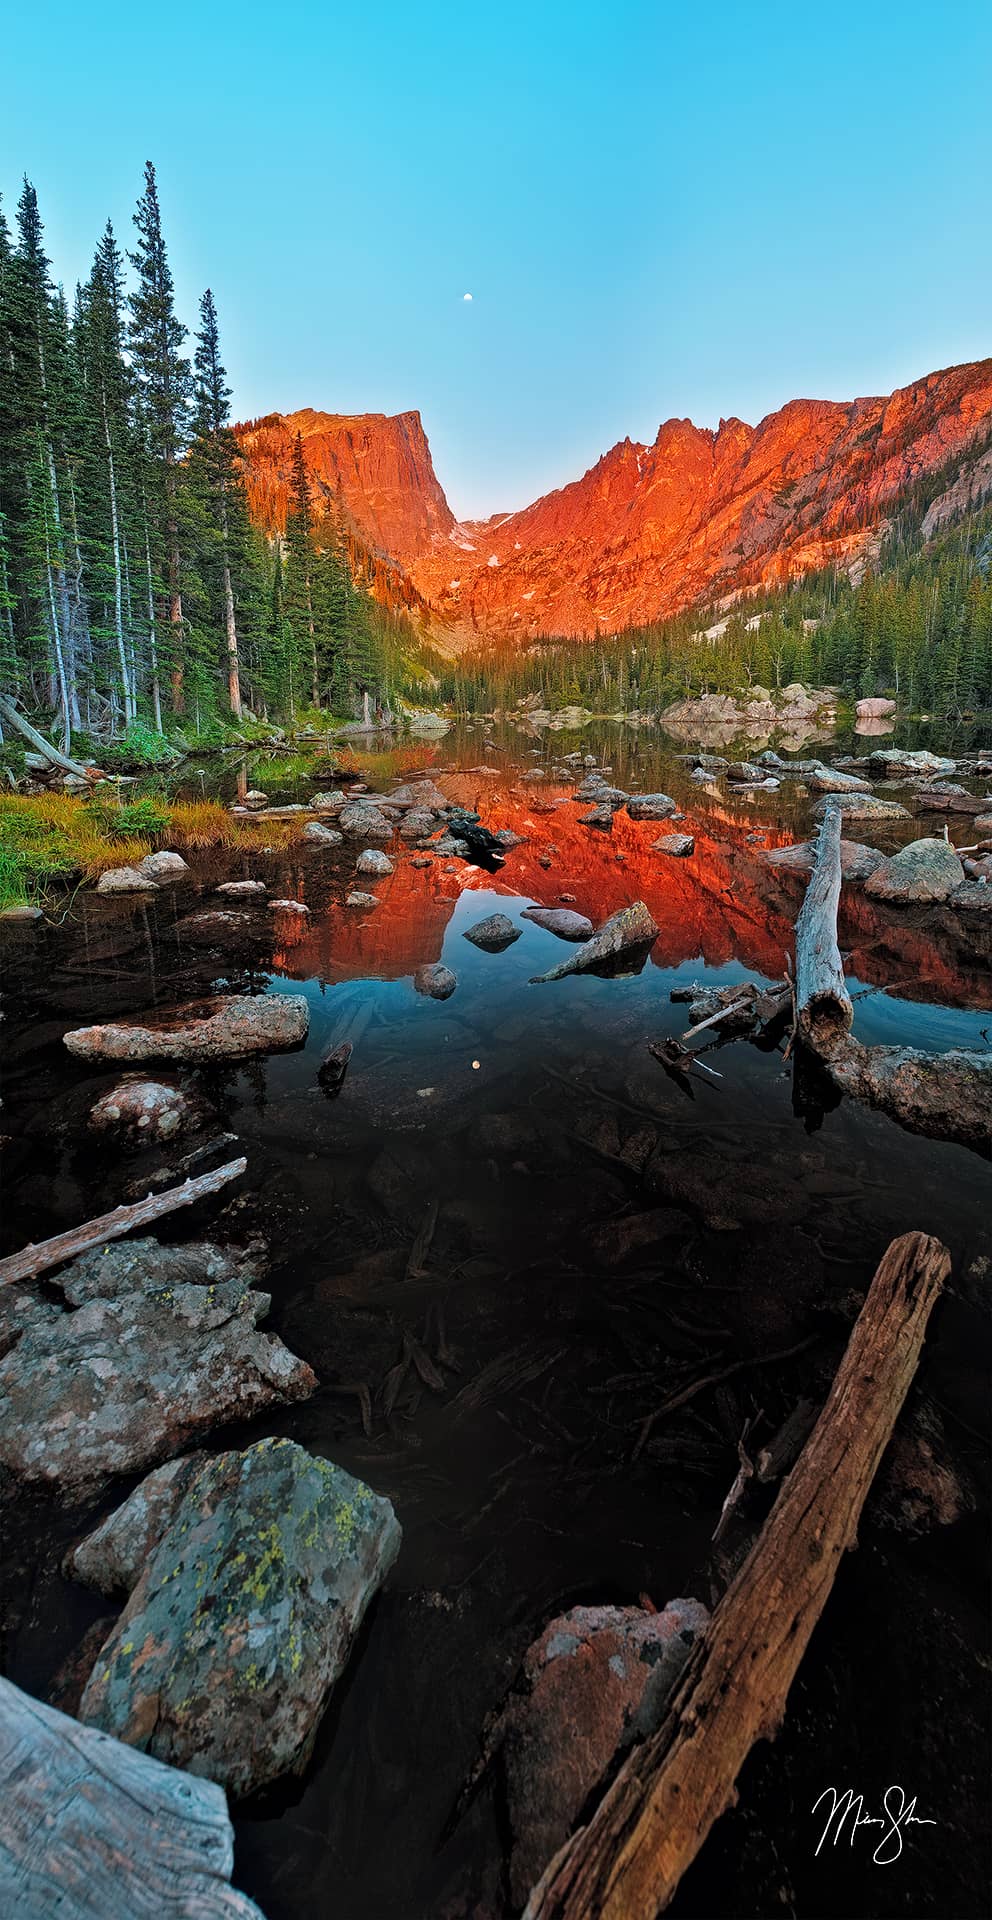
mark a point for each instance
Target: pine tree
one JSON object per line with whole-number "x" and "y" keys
{"x": 165, "y": 385}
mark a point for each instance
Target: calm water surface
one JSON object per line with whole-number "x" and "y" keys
{"x": 533, "y": 1118}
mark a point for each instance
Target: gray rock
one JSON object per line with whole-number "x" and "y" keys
{"x": 244, "y": 1616}
{"x": 875, "y": 709}
{"x": 361, "y": 820}
{"x": 242, "y": 889}
{"x": 214, "y": 924}
{"x": 296, "y": 907}
{"x": 125, "y": 880}
{"x": 974, "y": 897}
{"x": 147, "y": 1110}
{"x": 436, "y": 982}
{"x": 493, "y": 934}
{"x": 831, "y": 780}
{"x": 678, "y": 844}
{"x": 507, "y": 838}
{"x": 860, "y": 806}
{"x": 146, "y": 1266}
{"x": 925, "y": 870}
{"x": 420, "y": 796}
{"x": 856, "y": 861}
{"x": 359, "y": 899}
{"x": 120, "y": 1384}
{"x": 561, "y": 921}
{"x": 651, "y": 806}
{"x": 598, "y": 817}
{"x": 418, "y": 824}
{"x": 744, "y": 773}
{"x": 328, "y": 802}
{"x": 888, "y": 763}
{"x": 374, "y": 862}
{"x": 322, "y": 836}
{"x": 163, "y": 866}
{"x": 227, "y": 1029}
{"x": 627, "y": 934}
{"x": 254, "y": 799}
{"x": 112, "y": 1558}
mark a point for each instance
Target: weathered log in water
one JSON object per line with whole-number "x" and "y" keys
{"x": 93, "y": 1830}
{"x": 35, "y": 1259}
{"x": 649, "y": 1827}
{"x": 823, "y": 1004}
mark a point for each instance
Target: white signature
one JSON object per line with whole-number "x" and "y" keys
{"x": 897, "y": 1812}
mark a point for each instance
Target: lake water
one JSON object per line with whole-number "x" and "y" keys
{"x": 603, "y": 1235}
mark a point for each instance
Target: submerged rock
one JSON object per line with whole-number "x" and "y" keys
{"x": 244, "y": 1615}
{"x": 436, "y": 982}
{"x": 494, "y": 934}
{"x": 122, "y": 1383}
{"x": 228, "y": 1029}
{"x": 561, "y": 921}
{"x": 147, "y": 1110}
{"x": 596, "y": 1680}
{"x": 125, "y": 880}
{"x": 626, "y": 935}
{"x": 925, "y": 870}
{"x": 374, "y": 862}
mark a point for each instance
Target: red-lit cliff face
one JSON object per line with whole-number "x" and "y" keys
{"x": 649, "y": 529}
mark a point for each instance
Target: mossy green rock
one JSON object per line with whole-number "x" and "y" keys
{"x": 244, "y": 1616}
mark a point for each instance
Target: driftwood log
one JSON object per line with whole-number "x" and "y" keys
{"x": 94, "y": 1830}
{"x": 37, "y": 740}
{"x": 823, "y": 1004}
{"x": 35, "y": 1259}
{"x": 649, "y": 1827}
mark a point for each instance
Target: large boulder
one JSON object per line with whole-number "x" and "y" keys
{"x": 493, "y": 934}
{"x": 875, "y": 709}
{"x": 925, "y": 870}
{"x": 142, "y": 1266}
{"x": 126, "y": 880}
{"x": 361, "y": 819}
{"x": 122, "y": 1383}
{"x": 891, "y": 763}
{"x": 223, "y": 1029}
{"x": 244, "y": 1615}
{"x": 562, "y": 921}
{"x": 621, "y": 945}
{"x": 147, "y": 1110}
{"x": 595, "y": 1680}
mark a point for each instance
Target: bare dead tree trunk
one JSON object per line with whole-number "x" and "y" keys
{"x": 649, "y": 1827}
{"x": 823, "y": 1004}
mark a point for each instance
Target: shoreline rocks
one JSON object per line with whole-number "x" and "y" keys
{"x": 625, "y": 938}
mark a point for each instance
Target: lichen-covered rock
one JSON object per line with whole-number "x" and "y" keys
{"x": 435, "y": 982}
{"x": 331, "y": 802}
{"x": 494, "y": 934}
{"x": 596, "y": 1680}
{"x": 373, "y": 861}
{"x": 244, "y": 1616}
{"x": 147, "y": 1110}
{"x": 561, "y": 921}
{"x": 120, "y": 1384}
{"x": 126, "y": 880}
{"x": 925, "y": 870}
{"x": 860, "y": 806}
{"x": 222, "y": 1029}
{"x": 164, "y": 866}
{"x": 625, "y": 937}
{"x": 112, "y": 1557}
{"x": 975, "y": 896}
{"x": 146, "y": 1266}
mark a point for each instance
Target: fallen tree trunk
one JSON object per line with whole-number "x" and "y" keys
{"x": 823, "y": 1004}
{"x": 41, "y": 745}
{"x": 33, "y": 1260}
{"x": 93, "y": 1830}
{"x": 649, "y": 1827}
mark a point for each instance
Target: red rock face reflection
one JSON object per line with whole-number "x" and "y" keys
{"x": 721, "y": 904}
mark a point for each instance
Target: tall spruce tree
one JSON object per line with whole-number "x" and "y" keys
{"x": 165, "y": 383}
{"x": 217, "y": 464}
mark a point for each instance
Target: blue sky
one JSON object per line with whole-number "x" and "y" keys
{"x": 658, "y": 210}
